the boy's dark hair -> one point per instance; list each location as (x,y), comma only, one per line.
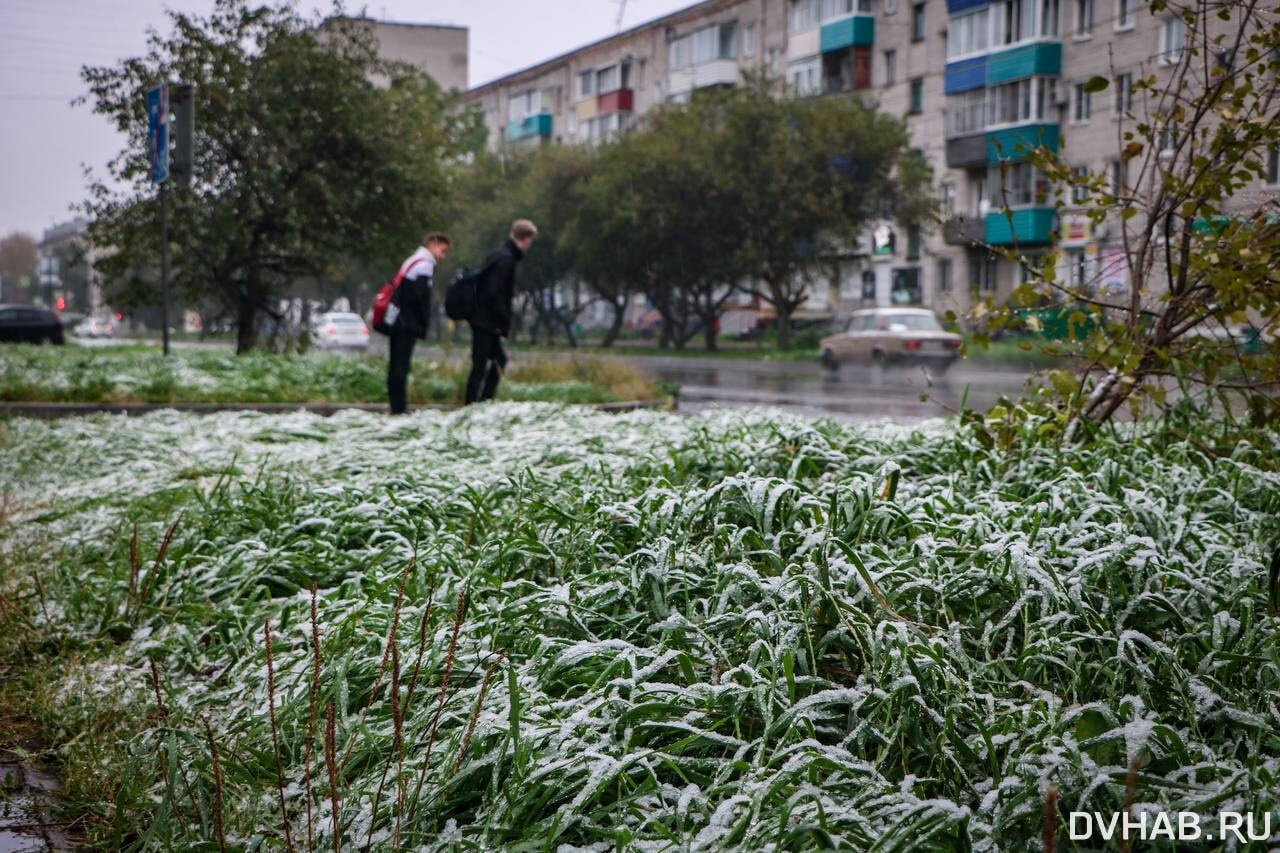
(436,237)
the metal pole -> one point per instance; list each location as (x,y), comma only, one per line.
(164,264)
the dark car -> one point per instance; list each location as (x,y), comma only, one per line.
(28,324)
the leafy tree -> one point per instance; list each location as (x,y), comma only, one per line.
(300,158)
(1199,235)
(802,176)
(17,263)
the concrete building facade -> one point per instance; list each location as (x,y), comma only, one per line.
(979,84)
(437,49)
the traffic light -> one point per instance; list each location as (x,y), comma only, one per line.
(182,133)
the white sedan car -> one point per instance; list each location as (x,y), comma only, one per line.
(340,330)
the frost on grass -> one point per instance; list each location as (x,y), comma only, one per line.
(718,631)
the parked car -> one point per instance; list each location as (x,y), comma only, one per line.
(28,324)
(888,335)
(70,320)
(339,329)
(96,327)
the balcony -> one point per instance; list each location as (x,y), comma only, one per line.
(965,129)
(965,75)
(617,101)
(1029,226)
(1016,143)
(846,70)
(853,31)
(964,230)
(718,72)
(538,124)
(1041,58)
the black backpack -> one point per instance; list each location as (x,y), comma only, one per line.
(461,295)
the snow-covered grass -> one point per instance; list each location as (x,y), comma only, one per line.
(540,627)
(132,374)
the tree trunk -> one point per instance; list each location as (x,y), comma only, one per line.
(709,332)
(246,321)
(615,328)
(784,325)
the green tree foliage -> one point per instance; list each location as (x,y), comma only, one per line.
(300,157)
(802,177)
(17,265)
(1200,233)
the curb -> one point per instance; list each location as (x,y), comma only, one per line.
(48,411)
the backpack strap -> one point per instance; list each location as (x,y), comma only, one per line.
(401,274)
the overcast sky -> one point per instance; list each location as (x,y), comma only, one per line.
(45,143)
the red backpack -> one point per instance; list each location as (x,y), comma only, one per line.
(382,301)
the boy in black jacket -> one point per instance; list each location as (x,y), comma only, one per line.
(492,319)
(411,307)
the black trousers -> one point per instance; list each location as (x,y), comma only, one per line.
(398,370)
(487,361)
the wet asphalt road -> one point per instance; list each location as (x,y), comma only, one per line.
(852,393)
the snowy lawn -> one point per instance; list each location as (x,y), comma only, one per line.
(133,374)
(541,627)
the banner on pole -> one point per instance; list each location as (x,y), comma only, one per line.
(158,133)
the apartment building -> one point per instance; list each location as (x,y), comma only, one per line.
(439,50)
(979,82)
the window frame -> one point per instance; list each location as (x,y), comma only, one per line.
(1082,20)
(915,98)
(918,23)
(1126,12)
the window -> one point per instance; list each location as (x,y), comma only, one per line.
(804,77)
(1076,275)
(749,41)
(585,79)
(890,6)
(1169,137)
(917,96)
(1123,100)
(1083,25)
(982,273)
(1049,18)
(1273,165)
(1022,101)
(523,105)
(718,41)
(947,194)
(967,34)
(1079,190)
(917,22)
(1022,185)
(831,9)
(1124,14)
(913,242)
(944,275)
(966,113)
(890,67)
(728,41)
(1082,108)
(607,79)
(1119,177)
(804,16)
(1172,31)
(980,203)
(868,293)
(772,62)
(1012,21)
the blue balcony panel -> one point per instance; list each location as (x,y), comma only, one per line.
(966,75)
(956,7)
